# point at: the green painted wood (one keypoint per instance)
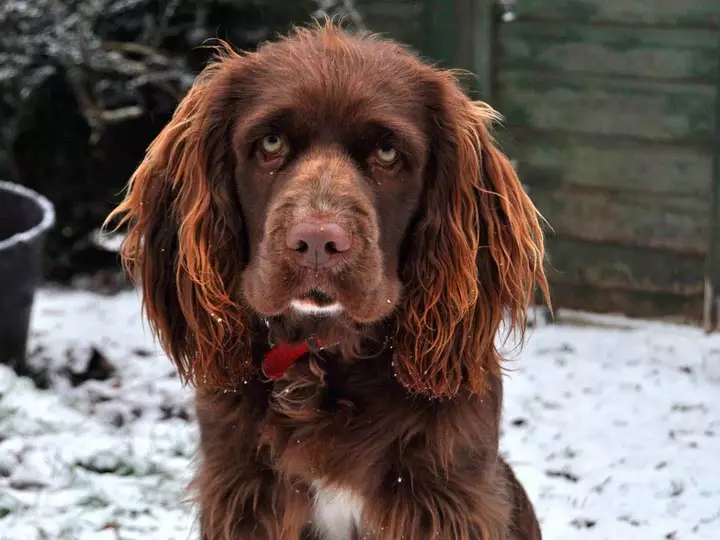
(712, 307)
(614, 267)
(697, 13)
(641, 109)
(618, 51)
(444, 21)
(481, 28)
(440, 41)
(610, 110)
(631, 303)
(679, 224)
(400, 19)
(613, 166)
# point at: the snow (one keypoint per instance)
(615, 430)
(107, 241)
(613, 426)
(105, 456)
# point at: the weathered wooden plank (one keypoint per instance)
(631, 303)
(458, 34)
(674, 223)
(700, 13)
(481, 29)
(615, 166)
(636, 52)
(440, 26)
(596, 105)
(400, 19)
(712, 293)
(372, 10)
(610, 266)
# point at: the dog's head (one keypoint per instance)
(331, 183)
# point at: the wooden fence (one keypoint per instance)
(611, 111)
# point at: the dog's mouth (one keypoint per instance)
(318, 297)
(317, 302)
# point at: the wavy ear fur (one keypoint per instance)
(184, 236)
(476, 254)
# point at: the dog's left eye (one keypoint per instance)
(386, 154)
(272, 145)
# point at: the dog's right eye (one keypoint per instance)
(272, 145)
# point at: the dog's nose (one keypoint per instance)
(318, 245)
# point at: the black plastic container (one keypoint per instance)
(25, 217)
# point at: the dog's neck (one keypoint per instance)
(282, 356)
(347, 341)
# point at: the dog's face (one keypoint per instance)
(330, 156)
(330, 182)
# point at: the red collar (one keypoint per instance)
(280, 357)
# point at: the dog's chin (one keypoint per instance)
(332, 316)
(328, 307)
(353, 303)
(308, 308)
(316, 303)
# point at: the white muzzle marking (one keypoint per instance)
(307, 307)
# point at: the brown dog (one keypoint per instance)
(327, 241)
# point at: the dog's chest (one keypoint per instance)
(336, 513)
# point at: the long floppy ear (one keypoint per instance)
(475, 254)
(184, 238)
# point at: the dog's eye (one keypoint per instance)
(272, 145)
(386, 154)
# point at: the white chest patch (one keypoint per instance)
(336, 512)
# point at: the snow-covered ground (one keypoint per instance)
(613, 426)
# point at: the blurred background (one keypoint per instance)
(610, 110)
(612, 118)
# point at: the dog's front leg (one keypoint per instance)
(240, 496)
(422, 500)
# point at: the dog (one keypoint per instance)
(327, 240)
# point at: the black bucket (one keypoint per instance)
(25, 217)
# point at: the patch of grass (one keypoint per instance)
(93, 501)
(120, 468)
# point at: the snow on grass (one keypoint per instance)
(105, 459)
(612, 425)
(615, 429)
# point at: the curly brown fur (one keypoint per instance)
(398, 418)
